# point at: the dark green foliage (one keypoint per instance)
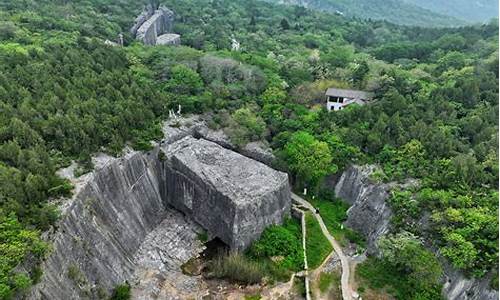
(203, 237)
(396, 11)
(283, 242)
(121, 292)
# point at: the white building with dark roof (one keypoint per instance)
(337, 99)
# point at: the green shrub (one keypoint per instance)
(203, 237)
(121, 292)
(280, 241)
(76, 275)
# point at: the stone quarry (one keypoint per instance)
(137, 218)
(154, 27)
(233, 197)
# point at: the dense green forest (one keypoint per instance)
(65, 95)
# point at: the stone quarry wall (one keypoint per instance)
(153, 26)
(370, 215)
(233, 197)
(102, 229)
(143, 17)
(105, 224)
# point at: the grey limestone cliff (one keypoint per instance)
(370, 214)
(102, 229)
(149, 26)
(159, 23)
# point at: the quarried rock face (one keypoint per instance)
(102, 229)
(233, 197)
(143, 17)
(120, 225)
(369, 213)
(159, 23)
(458, 287)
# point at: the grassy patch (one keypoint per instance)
(253, 297)
(317, 245)
(325, 281)
(238, 268)
(334, 213)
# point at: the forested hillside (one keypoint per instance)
(395, 11)
(65, 95)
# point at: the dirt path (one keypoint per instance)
(346, 287)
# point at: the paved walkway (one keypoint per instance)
(346, 288)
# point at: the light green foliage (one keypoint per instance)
(184, 80)
(408, 255)
(309, 158)
(245, 126)
(15, 243)
(317, 245)
(460, 251)
(342, 153)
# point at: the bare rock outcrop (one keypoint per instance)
(100, 232)
(168, 39)
(369, 213)
(154, 26)
(233, 197)
(197, 127)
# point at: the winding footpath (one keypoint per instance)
(346, 288)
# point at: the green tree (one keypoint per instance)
(183, 80)
(406, 253)
(309, 158)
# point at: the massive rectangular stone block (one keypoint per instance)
(235, 198)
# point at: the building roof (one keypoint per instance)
(349, 94)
